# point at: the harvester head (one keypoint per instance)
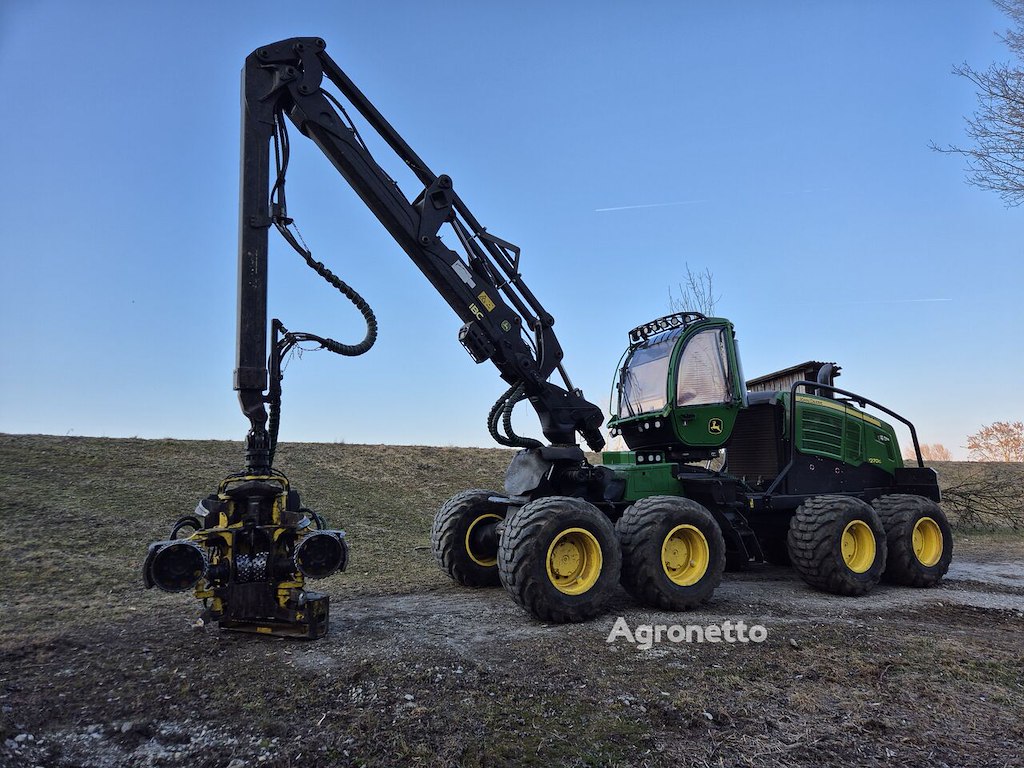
(250, 549)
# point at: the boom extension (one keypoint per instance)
(502, 320)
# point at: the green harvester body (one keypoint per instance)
(680, 400)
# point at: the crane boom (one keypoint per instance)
(251, 546)
(502, 319)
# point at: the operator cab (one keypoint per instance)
(679, 387)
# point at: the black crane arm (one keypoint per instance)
(502, 320)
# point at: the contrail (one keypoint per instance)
(648, 205)
(890, 301)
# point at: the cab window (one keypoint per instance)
(703, 375)
(644, 380)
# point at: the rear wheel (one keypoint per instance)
(673, 552)
(464, 538)
(559, 559)
(919, 538)
(837, 544)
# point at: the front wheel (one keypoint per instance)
(559, 559)
(464, 538)
(673, 552)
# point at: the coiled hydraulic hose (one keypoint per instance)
(502, 409)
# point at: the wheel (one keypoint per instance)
(673, 553)
(919, 538)
(465, 540)
(837, 544)
(559, 559)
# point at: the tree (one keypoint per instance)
(696, 294)
(984, 495)
(929, 452)
(1002, 441)
(996, 161)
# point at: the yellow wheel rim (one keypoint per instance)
(858, 546)
(481, 558)
(574, 561)
(927, 540)
(685, 555)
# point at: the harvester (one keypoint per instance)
(808, 475)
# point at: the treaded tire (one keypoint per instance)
(448, 537)
(643, 530)
(815, 544)
(528, 536)
(899, 514)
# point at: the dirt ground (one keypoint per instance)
(416, 671)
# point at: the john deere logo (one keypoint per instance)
(715, 426)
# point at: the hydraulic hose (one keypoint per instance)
(502, 409)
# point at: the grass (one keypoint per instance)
(81, 642)
(79, 512)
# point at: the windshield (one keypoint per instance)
(643, 385)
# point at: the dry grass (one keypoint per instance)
(82, 644)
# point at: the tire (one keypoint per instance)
(673, 552)
(456, 526)
(559, 559)
(919, 538)
(837, 544)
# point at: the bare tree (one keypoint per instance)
(996, 161)
(1001, 441)
(983, 495)
(696, 293)
(929, 452)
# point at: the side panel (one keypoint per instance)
(813, 475)
(704, 425)
(643, 480)
(836, 430)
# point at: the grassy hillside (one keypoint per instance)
(102, 673)
(79, 512)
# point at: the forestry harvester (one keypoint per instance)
(809, 476)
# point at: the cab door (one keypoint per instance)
(708, 391)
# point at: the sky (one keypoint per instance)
(783, 146)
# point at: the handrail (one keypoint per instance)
(860, 399)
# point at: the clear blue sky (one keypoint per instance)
(790, 137)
